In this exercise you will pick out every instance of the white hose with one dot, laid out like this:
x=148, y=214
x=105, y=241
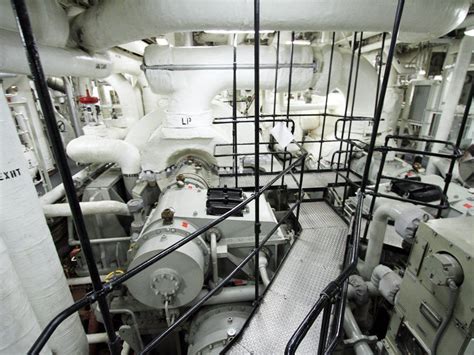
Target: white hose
x=88, y=208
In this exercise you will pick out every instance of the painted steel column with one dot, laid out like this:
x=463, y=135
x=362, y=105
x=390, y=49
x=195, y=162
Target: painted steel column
x=453, y=90
x=28, y=239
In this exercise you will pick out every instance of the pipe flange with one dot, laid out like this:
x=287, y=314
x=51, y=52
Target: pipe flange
x=165, y=282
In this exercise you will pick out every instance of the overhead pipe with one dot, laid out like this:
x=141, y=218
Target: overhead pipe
x=114, y=22
x=210, y=72
x=57, y=61
x=50, y=22
x=91, y=149
x=88, y=208
x=29, y=242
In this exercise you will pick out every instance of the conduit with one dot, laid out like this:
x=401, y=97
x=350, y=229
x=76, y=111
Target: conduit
x=20, y=327
x=89, y=149
x=88, y=208
x=30, y=245
x=114, y=22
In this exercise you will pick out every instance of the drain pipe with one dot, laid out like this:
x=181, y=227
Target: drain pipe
x=91, y=149
x=29, y=242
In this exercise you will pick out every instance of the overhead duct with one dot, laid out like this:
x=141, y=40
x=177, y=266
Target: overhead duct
x=193, y=76
x=114, y=22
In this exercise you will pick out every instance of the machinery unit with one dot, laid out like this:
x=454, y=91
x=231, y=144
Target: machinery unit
x=434, y=309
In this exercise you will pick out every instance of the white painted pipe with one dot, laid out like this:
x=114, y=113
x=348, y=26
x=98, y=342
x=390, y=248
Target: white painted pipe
x=353, y=332
x=231, y=295
x=29, y=242
x=20, y=326
x=91, y=149
x=114, y=22
x=48, y=19
x=58, y=192
x=377, y=229
x=86, y=280
x=215, y=270
x=139, y=134
x=191, y=91
x=262, y=267
x=56, y=61
x=127, y=97
x=453, y=89
x=150, y=99
x=88, y=208
x=97, y=338
x=386, y=281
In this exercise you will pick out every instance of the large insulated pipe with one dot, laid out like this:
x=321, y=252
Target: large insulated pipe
x=190, y=78
x=20, y=326
x=30, y=245
x=92, y=149
x=114, y=22
x=56, y=61
x=50, y=22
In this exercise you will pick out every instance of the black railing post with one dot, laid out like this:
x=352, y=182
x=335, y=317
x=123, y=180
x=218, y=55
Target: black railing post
x=275, y=88
x=328, y=86
x=234, y=112
x=24, y=25
x=257, y=136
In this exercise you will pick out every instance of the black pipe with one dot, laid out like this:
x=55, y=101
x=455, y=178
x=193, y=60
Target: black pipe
x=256, y=53
x=383, y=91
x=379, y=75
x=234, y=112
x=275, y=87
x=290, y=77
x=24, y=25
x=348, y=94
x=328, y=86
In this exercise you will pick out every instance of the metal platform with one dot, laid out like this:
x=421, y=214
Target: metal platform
x=314, y=260
x=311, y=180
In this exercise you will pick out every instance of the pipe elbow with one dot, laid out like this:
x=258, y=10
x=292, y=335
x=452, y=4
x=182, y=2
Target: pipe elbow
x=89, y=149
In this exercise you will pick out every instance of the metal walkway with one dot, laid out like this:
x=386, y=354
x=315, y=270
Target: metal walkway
x=314, y=260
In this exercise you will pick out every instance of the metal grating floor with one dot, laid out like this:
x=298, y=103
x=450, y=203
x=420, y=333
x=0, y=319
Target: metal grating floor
x=314, y=260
